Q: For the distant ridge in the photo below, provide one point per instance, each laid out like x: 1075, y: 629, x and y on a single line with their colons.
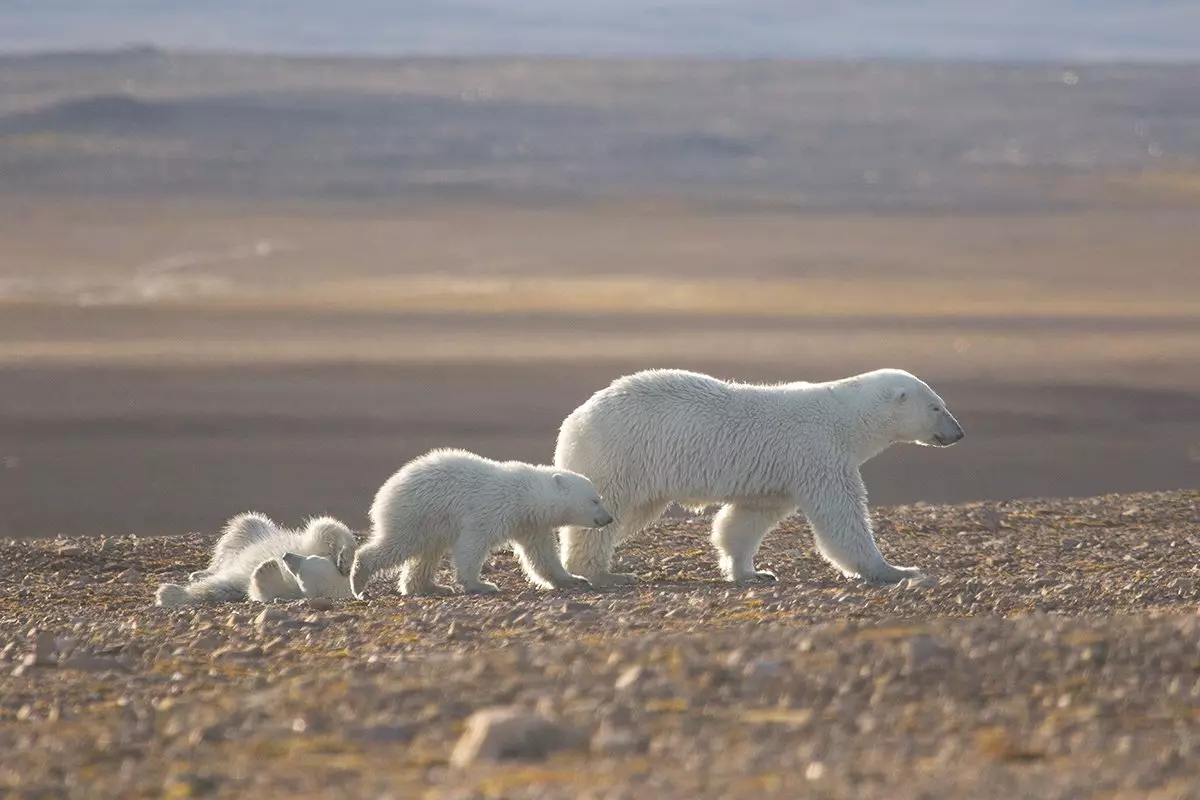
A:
x: 1100, y: 30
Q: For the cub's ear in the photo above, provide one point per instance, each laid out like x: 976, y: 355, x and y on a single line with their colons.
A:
x: 560, y: 481
x: 291, y: 563
x: 900, y: 396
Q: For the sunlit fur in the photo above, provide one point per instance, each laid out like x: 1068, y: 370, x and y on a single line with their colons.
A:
x: 293, y: 576
x: 759, y: 451
x: 459, y: 502
x: 248, y: 541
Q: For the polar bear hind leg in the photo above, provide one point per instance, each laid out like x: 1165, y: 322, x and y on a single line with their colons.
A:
x: 738, y: 530
x: 418, y: 576
x: 588, y: 552
x: 272, y: 580
x: 470, y: 552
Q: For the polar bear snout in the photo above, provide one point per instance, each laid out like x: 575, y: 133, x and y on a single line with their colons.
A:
x: 603, y: 518
x: 948, y: 430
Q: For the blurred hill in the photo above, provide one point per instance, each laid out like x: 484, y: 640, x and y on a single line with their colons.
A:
x: 1054, y: 29
x: 868, y: 135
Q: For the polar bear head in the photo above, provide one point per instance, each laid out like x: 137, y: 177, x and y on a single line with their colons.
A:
x: 317, y: 576
x: 573, y: 500
x: 912, y: 411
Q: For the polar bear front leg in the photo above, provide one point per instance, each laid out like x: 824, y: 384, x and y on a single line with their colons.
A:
x: 538, y: 552
x: 737, y: 532
x: 835, y: 503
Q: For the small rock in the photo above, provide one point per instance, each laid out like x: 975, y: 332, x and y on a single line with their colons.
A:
x: 45, y: 649
x: 130, y: 575
x: 763, y: 668
x: 612, y: 739
x: 628, y: 678
x: 188, y: 784
x: 815, y: 771
x: 394, y: 734
x: 235, y: 653
x: 922, y: 650
x: 206, y: 643
x: 88, y: 663
x: 496, y: 734
x: 574, y: 607
x: 70, y: 550
x: 1070, y: 544
x: 269, y: 617
x: 320, y: 603
x: 1184, y: 585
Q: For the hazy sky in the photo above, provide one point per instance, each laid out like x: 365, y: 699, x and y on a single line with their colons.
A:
x: 996, y: 29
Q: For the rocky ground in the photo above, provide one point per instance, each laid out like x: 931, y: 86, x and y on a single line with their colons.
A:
x: 1055, y: 653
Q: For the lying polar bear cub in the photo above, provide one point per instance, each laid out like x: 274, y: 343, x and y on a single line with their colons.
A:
x: 256, y: 558
x: 293, y: 577
x: 453, y: 500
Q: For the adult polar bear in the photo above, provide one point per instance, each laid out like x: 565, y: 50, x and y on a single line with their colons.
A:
x: 761, y: 451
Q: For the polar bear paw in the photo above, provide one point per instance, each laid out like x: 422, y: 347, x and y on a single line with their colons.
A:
x: 890, y: 575
x: 482, y: 587
x: 758, y: 576
x: 571, y: 582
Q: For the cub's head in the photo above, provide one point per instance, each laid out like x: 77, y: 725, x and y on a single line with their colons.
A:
x: 317, y: 576
x: 916, y: 414
x: 579, y: 501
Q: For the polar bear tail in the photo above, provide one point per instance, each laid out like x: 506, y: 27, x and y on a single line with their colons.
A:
x: 172, y: 594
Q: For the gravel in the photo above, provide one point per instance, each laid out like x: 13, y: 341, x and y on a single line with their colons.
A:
x: 1054, y: 651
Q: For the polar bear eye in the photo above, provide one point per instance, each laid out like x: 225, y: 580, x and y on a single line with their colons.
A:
x: 934, y: 407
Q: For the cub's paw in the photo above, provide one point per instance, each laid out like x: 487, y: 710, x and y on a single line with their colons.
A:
x: 483, y: 587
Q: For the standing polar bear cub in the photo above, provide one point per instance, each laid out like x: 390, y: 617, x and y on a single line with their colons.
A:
x: 453, y: 500
x: 760, y: 451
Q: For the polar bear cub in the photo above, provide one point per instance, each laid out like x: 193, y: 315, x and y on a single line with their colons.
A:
x: 251, y: 560
x: 293, y: 576
x: 760, y: 451
x: 457, y: 501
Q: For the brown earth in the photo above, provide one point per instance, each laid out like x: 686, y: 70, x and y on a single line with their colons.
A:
x: 1052, y: 655
x: 297, y: 381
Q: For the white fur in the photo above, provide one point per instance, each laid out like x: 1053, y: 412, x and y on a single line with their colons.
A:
x: 293, y: 576
x: 248, y: 543
x: 452, y: 500
x: 760, y: 451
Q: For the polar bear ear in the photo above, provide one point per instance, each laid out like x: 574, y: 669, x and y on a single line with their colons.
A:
x: 900, y: 396
x: 560, y: 481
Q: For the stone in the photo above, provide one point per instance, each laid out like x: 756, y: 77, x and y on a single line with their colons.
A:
x: 269, y: 617
x: 499, y: 734
x: 89, y: 663
x: 613, y: 739
x: 628, y: 678
x: 130, y: 575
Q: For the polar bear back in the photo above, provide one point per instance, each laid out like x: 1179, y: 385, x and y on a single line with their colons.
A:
x: 685, y: 436
x: 447, y: 486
